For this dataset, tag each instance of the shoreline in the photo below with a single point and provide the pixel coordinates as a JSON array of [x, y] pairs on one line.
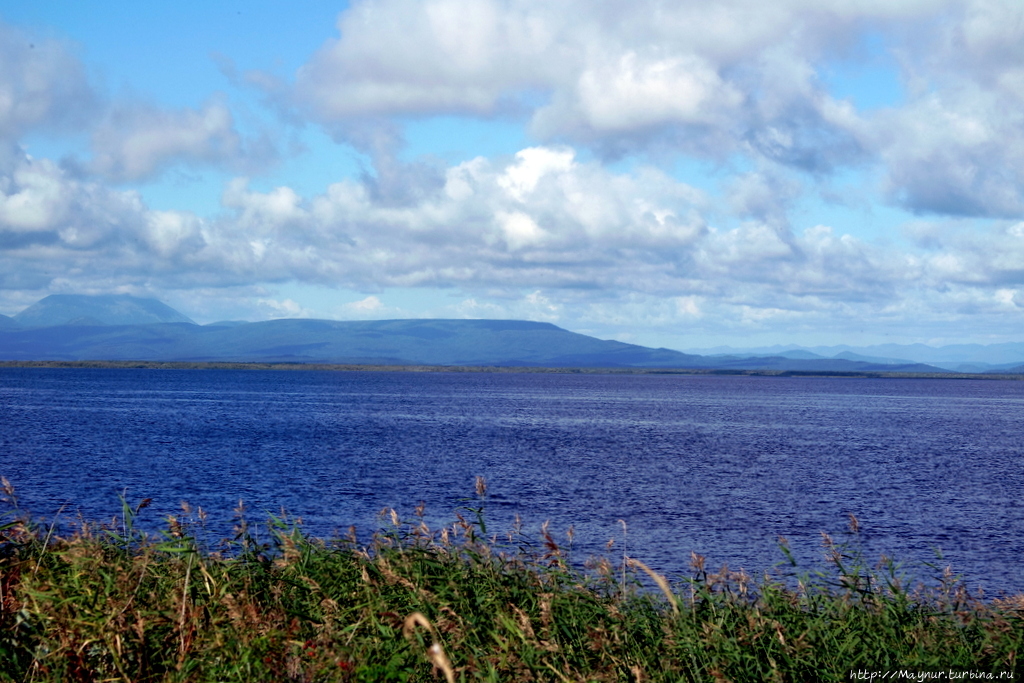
[[354, 367]]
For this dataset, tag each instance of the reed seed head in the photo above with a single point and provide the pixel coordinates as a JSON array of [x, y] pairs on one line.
[[697, 561]]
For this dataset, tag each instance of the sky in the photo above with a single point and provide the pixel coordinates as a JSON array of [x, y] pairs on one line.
[[683, 174]]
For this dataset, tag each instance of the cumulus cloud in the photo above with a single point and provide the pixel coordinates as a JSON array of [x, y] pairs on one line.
[[283, 308], [766, 196], [541, 235], [690, 78], [631, 91], [56, 226], [543, 219], [44, 88], [406, 56], [706, 78], [136, 140], [369, 305], [565, 239], [37, 197], [957, 146], [960, 158], [42, 85]]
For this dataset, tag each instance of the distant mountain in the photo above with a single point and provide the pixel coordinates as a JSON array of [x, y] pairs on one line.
[[954, 357], [802, 355], [784, 363], [733, 351], [112, 309], [398, 342], [850, 355], [989, 354], [66, 327], [7, 323], [228, 323], [428, 342]]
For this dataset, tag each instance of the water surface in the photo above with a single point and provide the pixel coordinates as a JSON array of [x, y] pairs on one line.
[[720, 465]]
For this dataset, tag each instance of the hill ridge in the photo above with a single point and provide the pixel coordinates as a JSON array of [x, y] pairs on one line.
[[92, 328], [105, 309]]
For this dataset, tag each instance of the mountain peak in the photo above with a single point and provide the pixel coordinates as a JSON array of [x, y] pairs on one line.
[[106, 309]]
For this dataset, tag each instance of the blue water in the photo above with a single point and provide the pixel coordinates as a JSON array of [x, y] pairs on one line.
[[720, 465]]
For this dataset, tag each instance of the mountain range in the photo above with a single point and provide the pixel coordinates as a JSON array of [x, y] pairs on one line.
[[952, 357], [71, 327]]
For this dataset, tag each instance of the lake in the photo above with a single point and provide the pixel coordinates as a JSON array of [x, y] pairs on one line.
[[720, 465]]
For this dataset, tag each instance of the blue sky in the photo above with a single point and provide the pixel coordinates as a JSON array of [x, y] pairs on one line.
[[681, 174]]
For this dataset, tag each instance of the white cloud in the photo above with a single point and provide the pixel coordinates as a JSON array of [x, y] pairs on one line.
[[173, 233], [408, 56], [284, 308], [698, 77], [38, 197], [368, 305], [688, 306], [44, 88], [42, 85], [957, 153], [33, 197], [692, 78], [135, 140], [578, 225], [257, 210], [521, 178], [644, 259], [520, 230], [630, 94]]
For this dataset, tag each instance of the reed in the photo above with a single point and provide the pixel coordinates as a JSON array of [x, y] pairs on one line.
[[106, 602]]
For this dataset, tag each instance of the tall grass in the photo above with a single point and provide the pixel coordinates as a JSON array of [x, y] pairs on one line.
[[106, 602]]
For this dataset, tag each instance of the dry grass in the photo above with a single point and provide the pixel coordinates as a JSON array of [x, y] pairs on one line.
[[108, 603]]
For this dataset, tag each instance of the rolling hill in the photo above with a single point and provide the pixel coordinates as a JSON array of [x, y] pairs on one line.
[[79, 327], [110, 309]]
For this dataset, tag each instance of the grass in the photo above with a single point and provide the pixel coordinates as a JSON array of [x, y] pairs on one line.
[[106, 602]]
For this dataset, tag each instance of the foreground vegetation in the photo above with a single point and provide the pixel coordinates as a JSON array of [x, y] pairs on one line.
[[107, 602]]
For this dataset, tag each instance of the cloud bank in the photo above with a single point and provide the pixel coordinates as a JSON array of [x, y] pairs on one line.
[[541, 228], [689, 78]]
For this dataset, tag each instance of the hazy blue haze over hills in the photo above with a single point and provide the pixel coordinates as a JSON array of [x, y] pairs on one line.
[[110, 309], [442, 342], [960, 357], [121, 327], [419, 342]]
